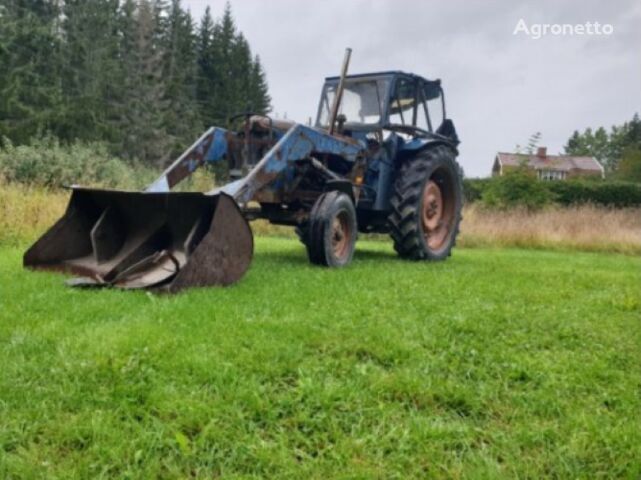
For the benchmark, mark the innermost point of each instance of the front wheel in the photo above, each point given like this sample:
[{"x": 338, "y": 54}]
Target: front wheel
[
  {"x": 330, "y": 236},
  {"x": 426, "y": 205}
]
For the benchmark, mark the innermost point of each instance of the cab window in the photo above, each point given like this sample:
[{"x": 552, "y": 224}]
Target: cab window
[
  {"x": 433, "y": 105},
  {"x": 403, "y": 103},
  {"x": 422, "y": 118}
]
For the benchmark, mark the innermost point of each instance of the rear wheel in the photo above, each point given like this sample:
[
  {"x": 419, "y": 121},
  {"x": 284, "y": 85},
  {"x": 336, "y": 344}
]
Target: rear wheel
[
  {"x": 426, "y": 205},
  {"x": 330, "y": 235}
]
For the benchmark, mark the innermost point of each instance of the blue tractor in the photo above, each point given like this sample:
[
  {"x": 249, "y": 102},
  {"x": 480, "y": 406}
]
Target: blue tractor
[{"x": 380, "y": 158}]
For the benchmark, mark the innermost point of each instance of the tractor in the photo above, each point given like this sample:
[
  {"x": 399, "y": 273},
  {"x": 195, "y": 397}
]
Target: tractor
[{"x": 381, "y": 158}]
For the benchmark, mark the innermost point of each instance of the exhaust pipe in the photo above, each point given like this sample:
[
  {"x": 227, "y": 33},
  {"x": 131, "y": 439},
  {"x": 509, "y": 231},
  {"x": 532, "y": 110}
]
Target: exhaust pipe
[{"x": 164, "y": 241}]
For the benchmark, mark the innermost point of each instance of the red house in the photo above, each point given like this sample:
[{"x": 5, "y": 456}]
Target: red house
[{"x": 548, "y": 167}]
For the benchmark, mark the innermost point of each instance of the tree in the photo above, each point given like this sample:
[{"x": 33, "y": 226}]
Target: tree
[
  {"x": 208, "y": 71},
  {"x": 230, "y": 79},
  {"x": 136, "y": 75},
  {"x": 630, "y": 165},
  {"x": 607, "y": 148},
  {"x": 600, "y": 147},
  {"x": 532, "y": 144},
  {"x": 617, "y": 143},
  {"x": 224, "y": 45},
  {"x": 143, "y": 101},
  {"x": 181, "y": 120},
  {"x": 91, "y": 71},
  {"x": 575, "y": 143},
  {"x": 259, "y": 94},
  {"x": 633, "y": 132},
  {"x": 30, "y": 87},
  {"x": 579, "y": 143}
]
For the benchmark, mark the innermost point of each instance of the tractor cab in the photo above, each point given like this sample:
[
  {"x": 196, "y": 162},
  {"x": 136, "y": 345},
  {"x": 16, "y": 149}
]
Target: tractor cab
[{"x": 392, "y": 101}]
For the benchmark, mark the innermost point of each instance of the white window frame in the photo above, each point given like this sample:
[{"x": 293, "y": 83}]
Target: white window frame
[{"x": 551, "y": 175}]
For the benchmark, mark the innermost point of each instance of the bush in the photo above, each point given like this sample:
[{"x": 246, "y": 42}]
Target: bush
[
  {"x": 572, "y": 192},
  {"x": 613, "y": 194},
  {"x": 517, "y": 188},
  {"x": 473, "y": 188},
  {"x": 46, "y": 162}
]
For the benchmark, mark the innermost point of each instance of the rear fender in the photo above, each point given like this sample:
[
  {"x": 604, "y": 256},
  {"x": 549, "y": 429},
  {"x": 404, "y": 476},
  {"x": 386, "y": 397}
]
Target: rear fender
[{"x": 419, "y": 144}]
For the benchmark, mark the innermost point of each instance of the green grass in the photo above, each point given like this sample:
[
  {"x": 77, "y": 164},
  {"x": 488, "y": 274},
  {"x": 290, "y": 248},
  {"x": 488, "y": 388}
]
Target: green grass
[{"x": 495, "y": 363}]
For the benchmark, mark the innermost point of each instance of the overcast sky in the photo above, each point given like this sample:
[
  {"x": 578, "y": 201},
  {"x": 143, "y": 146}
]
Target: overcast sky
[{"x": 500, "y": 88}]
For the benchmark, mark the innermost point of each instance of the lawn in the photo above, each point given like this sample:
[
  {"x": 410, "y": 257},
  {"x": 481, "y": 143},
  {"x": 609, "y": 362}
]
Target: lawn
[{"x": 495, "y": 363}]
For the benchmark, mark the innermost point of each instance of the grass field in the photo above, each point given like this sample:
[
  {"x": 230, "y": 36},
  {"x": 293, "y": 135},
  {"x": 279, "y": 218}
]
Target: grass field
[{"x": 496, "y": 363}]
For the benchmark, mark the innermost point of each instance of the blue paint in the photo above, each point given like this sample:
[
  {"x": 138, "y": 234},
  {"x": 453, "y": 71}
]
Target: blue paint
[
  {"x": 297, "y": 144},
  {"x": 218, "y": 147},
  {"x": 414, "y": 144}
]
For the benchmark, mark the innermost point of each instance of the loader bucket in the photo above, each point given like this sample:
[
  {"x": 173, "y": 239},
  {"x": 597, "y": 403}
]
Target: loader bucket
[{"x": 165, "y": 241}]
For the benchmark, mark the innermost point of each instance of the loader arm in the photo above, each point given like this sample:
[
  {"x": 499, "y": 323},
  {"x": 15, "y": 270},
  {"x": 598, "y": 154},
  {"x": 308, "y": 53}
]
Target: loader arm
[
  {"x": 271, "y": 172},
  {"x": 274, "y": 172},
  {"x": 210, "y": 147}
]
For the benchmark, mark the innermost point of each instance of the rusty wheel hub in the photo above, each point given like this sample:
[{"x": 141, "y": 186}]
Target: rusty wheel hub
[
  {"x": 435, "y": 217},
  {"x": 341, "y": 235}
]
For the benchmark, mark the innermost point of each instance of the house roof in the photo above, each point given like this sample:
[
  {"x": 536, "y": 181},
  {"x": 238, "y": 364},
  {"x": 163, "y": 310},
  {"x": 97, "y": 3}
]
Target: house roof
[{"x": 551, "y": 162}]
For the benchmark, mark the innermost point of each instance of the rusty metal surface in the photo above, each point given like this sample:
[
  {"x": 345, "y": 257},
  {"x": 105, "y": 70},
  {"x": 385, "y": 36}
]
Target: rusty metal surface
[
  {"x": 139, "y": 240},
  {"x": 434, "y": 218},
  {"x": 273, "y": 172},
  {"x": 339, "y": 92},
  {"x": 260, "y": 122},
  {"x": 224, "y": 254}
]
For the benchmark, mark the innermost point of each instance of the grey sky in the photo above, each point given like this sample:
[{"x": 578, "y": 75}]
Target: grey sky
[{"x": 500, "y": 88}]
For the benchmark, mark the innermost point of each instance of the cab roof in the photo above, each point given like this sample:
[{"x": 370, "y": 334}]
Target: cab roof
[{"x": 385, "y": 74}]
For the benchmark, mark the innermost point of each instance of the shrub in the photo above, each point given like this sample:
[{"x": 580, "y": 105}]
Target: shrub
[
  {"x": 571, "y": 192},
  {"x": 517, "y": 188},
  {"x": 473, "y": 188},
  {"x": 614, "y": 194},
  {"x": 46, "y": 162}
]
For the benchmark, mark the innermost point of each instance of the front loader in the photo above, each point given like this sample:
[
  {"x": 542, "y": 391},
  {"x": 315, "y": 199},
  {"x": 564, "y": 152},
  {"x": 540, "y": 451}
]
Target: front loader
[{"x": 380, "y": 158}]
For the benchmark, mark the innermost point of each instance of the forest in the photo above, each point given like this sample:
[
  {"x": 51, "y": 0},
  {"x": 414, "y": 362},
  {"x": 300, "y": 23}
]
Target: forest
[{"x": 142, "y": 77}]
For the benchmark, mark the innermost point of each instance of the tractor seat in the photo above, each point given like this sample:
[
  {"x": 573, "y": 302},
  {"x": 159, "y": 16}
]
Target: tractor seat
[{"x": 261, "y": 124}]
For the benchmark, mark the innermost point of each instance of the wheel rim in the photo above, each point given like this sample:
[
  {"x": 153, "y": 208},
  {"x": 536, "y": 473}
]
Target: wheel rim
[
  {"x": 341, "y": 235},
  {"x": 436, "y": 214}
]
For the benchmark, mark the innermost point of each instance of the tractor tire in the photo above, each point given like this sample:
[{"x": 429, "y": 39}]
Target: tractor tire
[
  {"x": 330, "y": 236},
  {"x": 426, "y": 205}
]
